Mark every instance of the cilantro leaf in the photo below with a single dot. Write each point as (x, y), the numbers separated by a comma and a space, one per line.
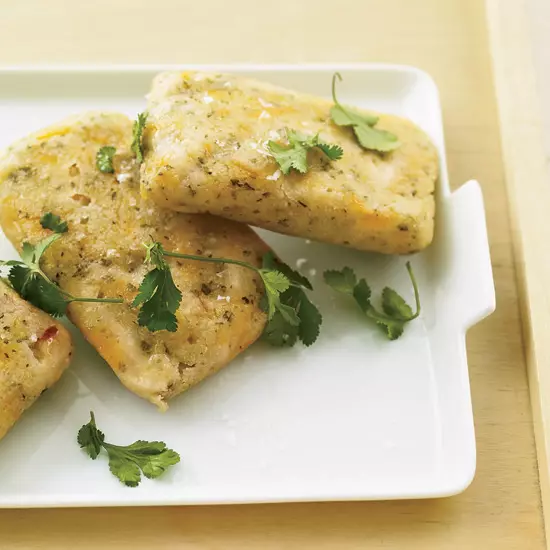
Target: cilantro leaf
(291, 315)
(392, 327)
(153, 457)
(309, 317)
(289, 156)
(127, 471)
(396, 312)
(347, 116)
(90, 438)
(104, 159)
(279, 333)
(394, 305)
(54, 223)
(310, 320)
(275, 282)
(294, 155)
(159, 298)
(37, 290)
(342, 281)
(127, 463)
(271, 262)
(31, 283)
(158, 463)
(137, 134)
(333, 152)
(158, 295)
(362, 294)
(363, 125)
(10, 262)
(375, 139)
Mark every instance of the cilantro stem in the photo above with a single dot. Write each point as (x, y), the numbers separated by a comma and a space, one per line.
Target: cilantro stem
(41, 273)
(415, 288)
(71, 298)
(220, 261)
(334, 76)
(209, 259)
(98, 300)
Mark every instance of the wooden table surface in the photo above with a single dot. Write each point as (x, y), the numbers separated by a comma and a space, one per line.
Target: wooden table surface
(447, 38)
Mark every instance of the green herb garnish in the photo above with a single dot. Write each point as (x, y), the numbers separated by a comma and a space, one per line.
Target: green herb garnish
(152, 458)
(363, 124)
(291, 315)
(294, 155)
(137, 134)
(30, 282)
(104, 159)
(54, 223)
(158, 295)
(284, 328)
(33, 285)
(395, 314)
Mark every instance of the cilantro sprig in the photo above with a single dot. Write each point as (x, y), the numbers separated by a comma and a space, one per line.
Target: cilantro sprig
(291, 315)
(363, 125)
(53, 223)
(295, 316)
(395, 314)
(294, 155)
(152, 458)
(158, 295)
(104, 159)
(32, 284)
(137, 134)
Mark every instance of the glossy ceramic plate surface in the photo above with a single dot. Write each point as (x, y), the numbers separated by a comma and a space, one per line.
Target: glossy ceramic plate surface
(353, 417)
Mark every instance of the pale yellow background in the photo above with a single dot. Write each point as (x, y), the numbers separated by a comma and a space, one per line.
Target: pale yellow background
(448, 38)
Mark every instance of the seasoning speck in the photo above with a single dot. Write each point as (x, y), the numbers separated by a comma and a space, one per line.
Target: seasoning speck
(264, 103)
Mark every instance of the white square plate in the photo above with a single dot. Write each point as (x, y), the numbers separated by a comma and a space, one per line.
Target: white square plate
(353, 417)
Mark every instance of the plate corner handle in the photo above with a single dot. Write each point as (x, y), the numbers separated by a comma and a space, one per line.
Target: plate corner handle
(474, 273)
